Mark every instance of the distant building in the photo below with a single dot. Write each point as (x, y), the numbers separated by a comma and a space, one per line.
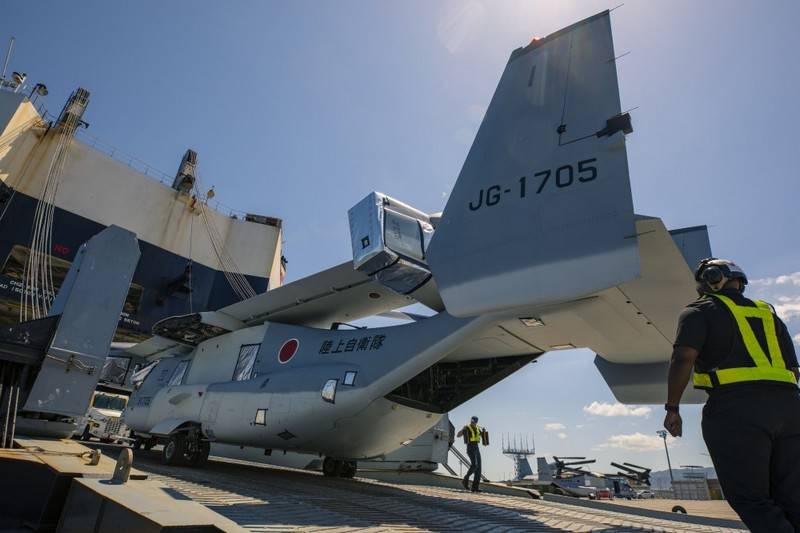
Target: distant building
(691, 489)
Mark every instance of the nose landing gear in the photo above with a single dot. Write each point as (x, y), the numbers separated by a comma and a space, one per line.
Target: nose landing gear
(339, 468)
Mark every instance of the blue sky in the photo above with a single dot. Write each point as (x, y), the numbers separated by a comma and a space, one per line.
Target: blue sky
(300, 109)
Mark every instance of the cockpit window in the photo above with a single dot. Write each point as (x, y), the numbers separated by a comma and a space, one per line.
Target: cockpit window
(104, 401)
(180, 371)
(138, 377)
(246, 361)
(114, 369)
(329, 390)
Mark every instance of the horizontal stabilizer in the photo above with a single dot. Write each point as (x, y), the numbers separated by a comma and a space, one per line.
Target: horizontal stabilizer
(542, 209)
(693, 243)
(642, 383)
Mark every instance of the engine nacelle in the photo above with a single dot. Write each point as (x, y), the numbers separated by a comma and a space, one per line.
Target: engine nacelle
(390, 241)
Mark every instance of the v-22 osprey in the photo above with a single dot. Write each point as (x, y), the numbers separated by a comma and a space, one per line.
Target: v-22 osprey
(538, 249)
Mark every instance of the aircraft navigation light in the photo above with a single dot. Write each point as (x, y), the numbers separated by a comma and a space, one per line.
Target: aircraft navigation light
(531, 321)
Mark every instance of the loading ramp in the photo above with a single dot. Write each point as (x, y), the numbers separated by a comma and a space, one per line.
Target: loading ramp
(262, 498)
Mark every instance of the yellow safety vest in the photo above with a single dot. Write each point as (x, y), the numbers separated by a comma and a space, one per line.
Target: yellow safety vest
(474, 433)
(772, 368)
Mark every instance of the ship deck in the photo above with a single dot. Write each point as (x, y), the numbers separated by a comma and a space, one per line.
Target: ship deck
(264, 498)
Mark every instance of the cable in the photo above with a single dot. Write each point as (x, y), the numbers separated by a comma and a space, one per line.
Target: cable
(39, 285)
(191, 287)
(230, 269)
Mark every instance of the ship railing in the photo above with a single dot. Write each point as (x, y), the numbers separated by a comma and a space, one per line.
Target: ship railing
(9, 86)
(123, 157)
(143, 167)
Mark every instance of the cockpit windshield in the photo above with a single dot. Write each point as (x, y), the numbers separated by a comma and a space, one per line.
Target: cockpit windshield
(106, 401)
(138, 377)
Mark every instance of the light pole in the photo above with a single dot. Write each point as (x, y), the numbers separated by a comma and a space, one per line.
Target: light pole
(663, 434)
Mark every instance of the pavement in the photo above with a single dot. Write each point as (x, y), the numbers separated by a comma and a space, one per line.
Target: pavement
(263, 498)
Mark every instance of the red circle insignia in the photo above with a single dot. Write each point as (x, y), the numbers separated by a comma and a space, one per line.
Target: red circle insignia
(287, 351)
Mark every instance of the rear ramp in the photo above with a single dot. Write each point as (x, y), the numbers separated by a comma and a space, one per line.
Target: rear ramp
(88, 305)
(49, 367)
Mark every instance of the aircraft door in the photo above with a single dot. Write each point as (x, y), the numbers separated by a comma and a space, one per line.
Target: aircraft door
(208, 413)
(241, 417)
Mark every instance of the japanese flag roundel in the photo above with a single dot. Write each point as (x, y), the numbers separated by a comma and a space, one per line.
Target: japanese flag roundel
(287, 351)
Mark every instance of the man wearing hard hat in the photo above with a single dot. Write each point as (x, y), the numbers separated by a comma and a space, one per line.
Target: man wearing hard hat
(474, 435)
(743, 356)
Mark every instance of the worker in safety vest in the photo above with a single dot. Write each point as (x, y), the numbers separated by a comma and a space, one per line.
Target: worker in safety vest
(473, 435)
(743, 356)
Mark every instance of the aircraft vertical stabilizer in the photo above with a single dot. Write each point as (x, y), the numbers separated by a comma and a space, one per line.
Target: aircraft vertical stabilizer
(542, 208)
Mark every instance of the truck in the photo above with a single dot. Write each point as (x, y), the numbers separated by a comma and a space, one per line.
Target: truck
(103, 420)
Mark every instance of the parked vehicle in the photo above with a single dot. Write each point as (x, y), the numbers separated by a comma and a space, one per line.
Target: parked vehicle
(604, 494)
(645, 495)
(103, 420)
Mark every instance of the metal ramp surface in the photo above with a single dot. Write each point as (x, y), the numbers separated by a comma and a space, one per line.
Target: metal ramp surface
(261, 498)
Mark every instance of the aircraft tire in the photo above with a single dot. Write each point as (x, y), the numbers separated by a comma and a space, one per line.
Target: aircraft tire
(349, 469)
(332, 467)
(174, 450)
(200, 457)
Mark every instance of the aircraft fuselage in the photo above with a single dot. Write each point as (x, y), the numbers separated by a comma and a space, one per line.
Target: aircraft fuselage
(279, 386)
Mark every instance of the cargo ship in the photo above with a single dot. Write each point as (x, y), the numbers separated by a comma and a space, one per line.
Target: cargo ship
(59, 187)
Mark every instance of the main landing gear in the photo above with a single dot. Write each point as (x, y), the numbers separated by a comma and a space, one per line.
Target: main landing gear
(140, 443)
(186, 448)
(338, 468)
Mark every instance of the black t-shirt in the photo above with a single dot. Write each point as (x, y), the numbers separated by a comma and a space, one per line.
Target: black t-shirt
(708, 326)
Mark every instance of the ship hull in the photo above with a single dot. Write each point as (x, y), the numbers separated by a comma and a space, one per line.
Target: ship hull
(161, 285)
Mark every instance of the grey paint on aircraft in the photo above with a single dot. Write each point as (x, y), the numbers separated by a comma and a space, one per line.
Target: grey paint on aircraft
(528, 265)
(539, 216)
(89, 305)
(644, 383)
(359, 423)
(693, 243)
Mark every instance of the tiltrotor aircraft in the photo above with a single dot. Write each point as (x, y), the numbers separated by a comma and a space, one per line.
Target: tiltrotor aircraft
(538, 249)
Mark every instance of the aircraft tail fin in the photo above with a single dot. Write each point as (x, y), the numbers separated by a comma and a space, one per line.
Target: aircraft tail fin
(544, 470)
(542, 209)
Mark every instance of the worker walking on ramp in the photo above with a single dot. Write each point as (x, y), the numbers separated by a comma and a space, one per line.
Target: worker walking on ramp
(474, 435)
(744, 358)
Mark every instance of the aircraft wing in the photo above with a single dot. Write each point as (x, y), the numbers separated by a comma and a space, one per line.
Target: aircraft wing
(338, 294)
(157, 347)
